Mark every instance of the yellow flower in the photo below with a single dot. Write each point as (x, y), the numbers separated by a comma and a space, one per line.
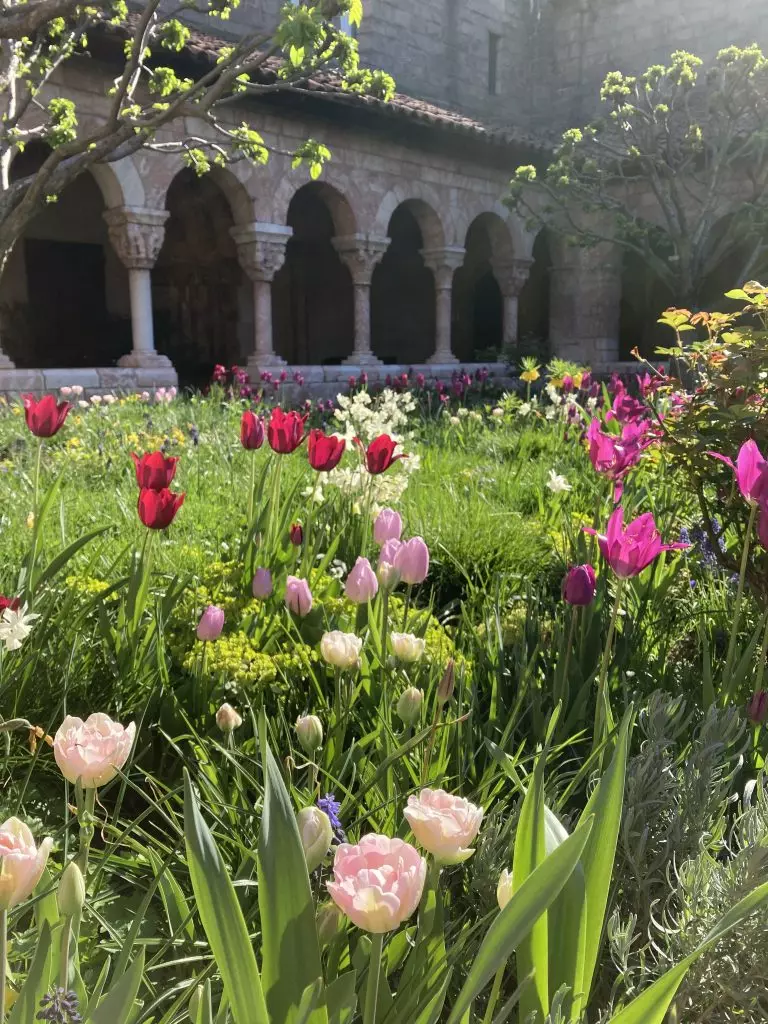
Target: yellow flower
(177, 436)
(529, 376)
(17, 410)
(73, 442)
(132, 439)
(577, 379)
(31, 520)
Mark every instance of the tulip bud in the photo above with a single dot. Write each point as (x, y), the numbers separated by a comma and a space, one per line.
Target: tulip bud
(316, 835)
(296, 535)
(362, 585)
(409, 705)
(211, 623)
(407, 647)
(757, 709)
(388, 575)
(298, 596)
(262, 584)
(412, 559)
(329, 921)
(504, 889)
(447, 683)
(70, 895)
(309, 729)
(388, 526)
(579, 585)
(227, 718)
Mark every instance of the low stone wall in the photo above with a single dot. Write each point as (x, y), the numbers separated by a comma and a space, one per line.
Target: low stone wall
(95, 380)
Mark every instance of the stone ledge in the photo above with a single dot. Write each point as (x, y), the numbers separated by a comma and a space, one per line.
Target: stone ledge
(93, 380)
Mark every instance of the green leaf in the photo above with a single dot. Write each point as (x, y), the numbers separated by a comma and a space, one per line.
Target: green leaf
(567, 925)
(222, 917)
(519, 916)
(290, 948)
(64, 556)
(341, 998)
(38, 980)
(117, 1006)
(176, 907)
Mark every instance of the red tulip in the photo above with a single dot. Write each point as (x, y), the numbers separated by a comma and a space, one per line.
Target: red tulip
(154, 470)
(380, 453)
(324, 452)
(296, 535)
(14, 603)
(251, 430)
(157, 509)
(285, 431)
(44, 418)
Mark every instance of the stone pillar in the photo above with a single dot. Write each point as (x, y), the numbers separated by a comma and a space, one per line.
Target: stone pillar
(261, 251)
(443, 262)
(361, 253)
(137, 236)
(511, 275)
(584, 305)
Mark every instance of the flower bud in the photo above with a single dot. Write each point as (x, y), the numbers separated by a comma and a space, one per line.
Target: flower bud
(261, 586)
(412, 559)
(309, 729)
(388, 526)
(296, 534)
(409, 705)
(388, 575)
(447, 683)
(329, 921)
(579, 585)
(298, 596)
(362, 585)
(70, 895)
(406, 646)
(504, 889)
(211, 623)
(316, 835)
(757, 709)
(342, 650)
(227, 718)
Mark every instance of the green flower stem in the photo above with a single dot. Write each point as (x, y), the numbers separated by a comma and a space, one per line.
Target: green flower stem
(374, 970)
(407, 608)
(494, 996)
(3, 960)
(86, 831)
(760, 674)
(563, 680)
(251, 491)
(737, 607)
(603, 710)
(66, 937)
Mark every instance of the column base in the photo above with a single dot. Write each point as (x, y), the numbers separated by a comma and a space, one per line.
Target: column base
(5, 362)
(362, 359)
(258, 364)
(148, 360)
(443, 359)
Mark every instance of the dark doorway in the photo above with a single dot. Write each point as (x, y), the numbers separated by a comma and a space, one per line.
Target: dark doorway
(533, 303)
(478, 311)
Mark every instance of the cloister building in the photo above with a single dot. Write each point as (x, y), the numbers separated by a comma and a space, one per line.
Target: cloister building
(402, 254)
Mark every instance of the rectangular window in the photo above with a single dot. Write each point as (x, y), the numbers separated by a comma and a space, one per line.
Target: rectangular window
(494, 43)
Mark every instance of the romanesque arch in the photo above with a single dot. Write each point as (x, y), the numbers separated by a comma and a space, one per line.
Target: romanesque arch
(478, 304)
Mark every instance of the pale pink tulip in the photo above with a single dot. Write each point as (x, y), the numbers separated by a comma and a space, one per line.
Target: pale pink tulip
(412, 561)
(389, 551)
(298, 596)
(444, 825)
(21, 862)
(388, 526)
(378, 883)
(92, 750)
(211, 623)
(362, 585)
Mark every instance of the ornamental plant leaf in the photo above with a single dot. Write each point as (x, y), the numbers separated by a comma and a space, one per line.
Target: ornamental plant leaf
(117, 1006)
(38, 980)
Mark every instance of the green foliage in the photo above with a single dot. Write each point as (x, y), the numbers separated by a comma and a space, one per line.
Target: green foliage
(62, 127)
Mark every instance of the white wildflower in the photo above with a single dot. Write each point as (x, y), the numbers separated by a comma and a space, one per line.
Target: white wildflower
(557, 483)
(15, 627)
(525, 409)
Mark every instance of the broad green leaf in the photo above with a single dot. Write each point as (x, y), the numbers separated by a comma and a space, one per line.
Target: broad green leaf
(566, 923)
(651, 1006)
(38, 980)
(69, 552)
(422, 987)
(222, 917)
(341, 998)
(310, 1002)
(117, 1006)
(290, 948)
(519, 916)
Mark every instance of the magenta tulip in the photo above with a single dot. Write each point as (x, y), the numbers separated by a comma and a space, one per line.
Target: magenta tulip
(261, 585)
(629, 551)
(362, 585)
(298, 596)
(388, 526)
(579, 585)
(412, 561)
(751, 472)
(615, 455)
(211, 623)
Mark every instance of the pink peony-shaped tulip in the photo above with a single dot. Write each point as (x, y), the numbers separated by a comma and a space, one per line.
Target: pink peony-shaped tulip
(298, 596)
(21, 862)
(362, 585)
(444, 825)
(388, 526)
(412, 561)
(92, 750)
(629, 551)
(378, 883)
(751, 472)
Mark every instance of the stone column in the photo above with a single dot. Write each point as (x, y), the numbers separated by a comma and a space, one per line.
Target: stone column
(137, 236)
(511, 275)
(361, 253)
(443, 262)
(261, 252)
(585, 298)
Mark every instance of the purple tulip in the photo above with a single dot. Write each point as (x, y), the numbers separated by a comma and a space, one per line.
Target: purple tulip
(298, 596)
(362, 585)
(262, 584)
(757, 709)
(211, 623)
(629, 551)
(388, 526)
(579, 585)
(412, 561)
(389, 550)
(751, 472)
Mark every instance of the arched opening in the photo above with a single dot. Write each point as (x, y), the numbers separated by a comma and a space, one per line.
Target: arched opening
(312, 297)
(64, 293)
(403, 288)
(202, 300)
(644, 297)
(478, 306)
(533, 302)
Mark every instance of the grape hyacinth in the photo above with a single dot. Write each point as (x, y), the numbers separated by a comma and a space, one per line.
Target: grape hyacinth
(331, 806)
(60, 1007)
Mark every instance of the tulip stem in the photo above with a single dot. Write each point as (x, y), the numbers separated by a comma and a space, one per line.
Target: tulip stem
(3, 960)
(603, 718)
(251, 491)
(374, 971)
(563, 687)
(66, 937)
(86, 831)
(727, 677)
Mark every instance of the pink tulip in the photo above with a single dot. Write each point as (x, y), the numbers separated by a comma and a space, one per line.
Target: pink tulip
(92, 750)
(211, 623)
(615, 455)
(21, 863)
(629, 551)
(412, 561)
(298, 596)
(378, 883)
(444, 825)
(388, 526)
(389, 550)
(261, 586)
(579, 585)
(762, 525)
(362, 585)
(751, 472)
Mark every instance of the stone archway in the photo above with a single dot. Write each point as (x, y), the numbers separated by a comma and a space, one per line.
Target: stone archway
(533, 304)
(478, 304)
(312, 296)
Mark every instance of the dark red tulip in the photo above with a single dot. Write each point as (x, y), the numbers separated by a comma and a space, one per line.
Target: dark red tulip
(251, 430)
(296, 534)
(44, 418)
(757, 709)
(14, 603)
(157, 509)
(154, 470)
(324, 452)
(380, 453)
(285, 431)
(579, 585)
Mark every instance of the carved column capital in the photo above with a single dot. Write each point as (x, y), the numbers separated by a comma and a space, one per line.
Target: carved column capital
(261, 248)
(136, 235)
(361, 253)
(443, 262)
(511, 275)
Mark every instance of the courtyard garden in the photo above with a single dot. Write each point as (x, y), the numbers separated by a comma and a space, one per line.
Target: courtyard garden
(440, 703)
